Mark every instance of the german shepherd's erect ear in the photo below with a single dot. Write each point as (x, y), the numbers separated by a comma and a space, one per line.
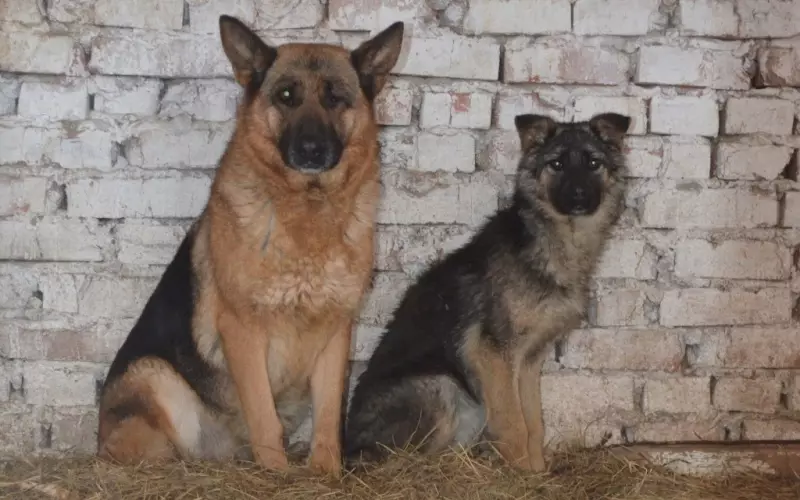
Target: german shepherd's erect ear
(249, 55)
(534, 130)
(376, 57)
(610, 127)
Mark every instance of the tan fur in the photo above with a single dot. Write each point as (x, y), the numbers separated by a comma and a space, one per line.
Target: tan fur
(283, 260)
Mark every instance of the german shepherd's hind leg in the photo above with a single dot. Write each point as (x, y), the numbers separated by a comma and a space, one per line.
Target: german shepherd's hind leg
(427, 414)
(150, 412)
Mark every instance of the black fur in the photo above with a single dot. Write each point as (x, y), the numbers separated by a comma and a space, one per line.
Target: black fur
(404, 390)
(163, 330)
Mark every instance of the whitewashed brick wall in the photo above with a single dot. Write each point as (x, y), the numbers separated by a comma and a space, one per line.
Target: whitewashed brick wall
(113, 113)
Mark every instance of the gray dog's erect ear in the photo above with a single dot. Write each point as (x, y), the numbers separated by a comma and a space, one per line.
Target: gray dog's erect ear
(534, 130)
(610, 127)
(249, 55)
(376, 57)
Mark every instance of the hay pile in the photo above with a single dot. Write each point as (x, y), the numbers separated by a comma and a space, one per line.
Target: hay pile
(575, 476)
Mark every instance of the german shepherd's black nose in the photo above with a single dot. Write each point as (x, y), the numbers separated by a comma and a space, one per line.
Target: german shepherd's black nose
(312, 148)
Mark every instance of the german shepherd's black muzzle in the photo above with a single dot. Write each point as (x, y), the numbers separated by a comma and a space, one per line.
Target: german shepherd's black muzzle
(311, 147)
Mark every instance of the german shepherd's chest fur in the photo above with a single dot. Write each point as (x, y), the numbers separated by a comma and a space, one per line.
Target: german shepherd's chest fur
(288, 263)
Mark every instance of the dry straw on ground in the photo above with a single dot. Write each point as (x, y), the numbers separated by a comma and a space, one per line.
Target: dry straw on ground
(574, 476)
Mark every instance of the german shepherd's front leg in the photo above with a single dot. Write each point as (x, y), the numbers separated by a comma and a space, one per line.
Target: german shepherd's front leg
(327, 389)
(530, 396)
(500, 395)
(246, 355)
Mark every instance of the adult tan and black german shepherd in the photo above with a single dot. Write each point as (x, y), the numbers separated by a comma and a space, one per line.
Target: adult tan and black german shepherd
(461, 358)
(252, 320)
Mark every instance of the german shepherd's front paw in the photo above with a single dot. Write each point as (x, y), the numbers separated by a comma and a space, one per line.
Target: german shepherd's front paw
(325, 460)
(272, 460)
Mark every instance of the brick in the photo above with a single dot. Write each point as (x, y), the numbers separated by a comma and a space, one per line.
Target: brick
(9, 92)
(412, 248)
(213, 100)
(527, 17)
(393, 107)
(683, 428)
(141, 243)
(17, 291)
(456, 110)
(677, 395)
(384, 296)
(603, 402)
(687, 161)
(778, 66)
(708, 18)
(126, 96)
(742, 394)
(751, 162)
(577, 65)
(644, 156)
(159, 55)
(451, 57)
(178, 147)
(74, 433)
(448, 153)
(21, 11)
(760, 260)
(617, 17)
(54, 101)
(622, 349)
(114, 297)
(768, 18)
(93, 149)
(74, 146)
(753, 115)
(117, 198)
(356, 15)
(771, 430)
(791, 209)
(59, 384)
(499, 151)
(71, 11)
(398, 147)
(24, 52)
(53, 240)
(22, 196)
(17, 436)
(684, 115)
(620, 308)
(708, 209)
(364, 342)
(762, 348)
(627, 259)
(204, 14)
(708, 307)
(150, 14)
(692, 67)
(421, 199)
(540, 103)
(84, 342)
(59, 292)
(586, 107)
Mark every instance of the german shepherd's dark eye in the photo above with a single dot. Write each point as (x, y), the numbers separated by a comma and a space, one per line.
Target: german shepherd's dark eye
(595, 164)
(331, 98)
(286, 96)
(555, 165)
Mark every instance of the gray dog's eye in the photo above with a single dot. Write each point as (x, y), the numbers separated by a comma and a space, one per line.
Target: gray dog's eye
(595, 164)
(555, 165)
